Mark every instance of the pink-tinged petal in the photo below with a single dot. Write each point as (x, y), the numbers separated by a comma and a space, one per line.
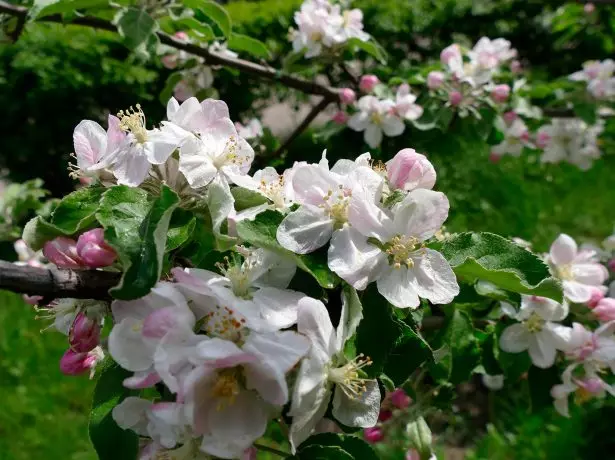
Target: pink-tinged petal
(62, 252)
(89, 142)
(577, 292)
(142, 380)
(305, 230)
(515, 339)
(369, 219)
(563, 250)
(311, 184)
(593, 274)
(421, 214)
(115, 136)
(354, 259)
(74, 362)
(84, 333)
(167, 320)
(131, 169)
(214, 110)
(409, 170)
(435, 278)
(399, 287)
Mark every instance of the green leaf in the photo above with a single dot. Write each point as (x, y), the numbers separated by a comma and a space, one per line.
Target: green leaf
(204, 32)
(214, 12)
(245, 198)
(256, 48)
(322, 453)
(586, 111)
(181, 228)
(203, 241)
(540, 382)
(135, 26)
(261, 232)
(110, 441)
(137, 229)
(42, 8)
(77, 210)
(38, 231)
(354, 446)
(419, 436)
(489, 257)
(371, 47)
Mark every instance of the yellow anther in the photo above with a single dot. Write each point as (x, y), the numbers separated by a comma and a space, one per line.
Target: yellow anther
(133, 121)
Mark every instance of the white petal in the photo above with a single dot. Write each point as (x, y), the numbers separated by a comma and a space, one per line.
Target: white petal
(195, 164)
(278, 307)
(515, 338)
(593, 274)
(314, 322)
(361, 412)
(359, 121)
(162, 143)
(577, 292)
(308, 414)
(541, 349)
(127, 347)
(435, 278)
(305, 230)
(421, 213)
(399, 287)
(355, 260)
(311, 184)
(131, 169)
(393, 126)
(131, 414)
(563, 250)
(373, 135)
(90, 143)
(370, 219)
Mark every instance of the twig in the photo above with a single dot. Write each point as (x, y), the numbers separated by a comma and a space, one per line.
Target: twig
(211, 57)
(53, 284)
(265, 448)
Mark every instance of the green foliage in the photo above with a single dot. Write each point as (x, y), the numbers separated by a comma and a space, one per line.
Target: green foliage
(331, 446)
(256, 48)
(17, 203)
(136, 227)
(214, 12)
(137, 28)
(110, 441)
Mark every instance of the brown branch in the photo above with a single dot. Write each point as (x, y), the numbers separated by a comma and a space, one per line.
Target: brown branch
(55, 283)
(212, 58)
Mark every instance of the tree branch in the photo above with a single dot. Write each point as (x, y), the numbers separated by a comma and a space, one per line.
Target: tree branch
(212, 58)
(55, 283)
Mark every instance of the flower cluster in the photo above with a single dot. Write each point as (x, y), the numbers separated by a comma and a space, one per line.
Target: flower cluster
(599, 77)
(323, 26)
(516, 136)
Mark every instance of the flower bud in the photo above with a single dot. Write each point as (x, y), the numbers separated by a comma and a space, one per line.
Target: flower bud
(596, 296)
(347, 96)
(62, 251)
(605, 310)
(93, 250)
(589, 8)
(542, 140)
(384, 415)
(368, 83)
(611, 264)
(84, 333)
(373, 435)
(509, 116)
(181, 35)
(500, 93)
(169, 61)
(400, 399)
(340, 117)
(455, 98)
(449, 53)
(76, 363)
(409, 170)
(32, 299)
(593, 385)
(495, 157)
(515, 66)
(435, 79)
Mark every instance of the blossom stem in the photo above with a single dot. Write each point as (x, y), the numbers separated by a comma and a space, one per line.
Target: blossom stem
(265, 448)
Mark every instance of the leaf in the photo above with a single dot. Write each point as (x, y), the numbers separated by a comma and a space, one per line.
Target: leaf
(203, 241)
(261, 232)
(214, 12)
(586, 111)
(38, 231)
(137, 229)
(77, 210)
(410, 352)
(322, 453)
(419, 436)
(256, 48)
(135, 26)
(245, 198)
(42, 8)
(355, 447)
(204, 32)
(540, 382)
(181, 228)
(492, 258)
(371, 47)
(110, 441)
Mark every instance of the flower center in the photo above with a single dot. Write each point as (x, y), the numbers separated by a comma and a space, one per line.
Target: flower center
(400, 249)
(316, 36)
(226, 388)
(348, 379)
(564, 272)
(336, 205)
(534, 323)
(229, 155)
(223, 323)
(239, 275)
(274, 190)
(133, 121)
(376, 118)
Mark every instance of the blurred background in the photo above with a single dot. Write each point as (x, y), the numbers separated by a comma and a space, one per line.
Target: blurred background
(55, 76)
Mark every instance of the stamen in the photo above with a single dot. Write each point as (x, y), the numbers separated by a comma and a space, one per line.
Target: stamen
(226, 388)
(402, 248)
(348, 379)
(224, 324)
(336, 204)
(133, 121)
(534, 323)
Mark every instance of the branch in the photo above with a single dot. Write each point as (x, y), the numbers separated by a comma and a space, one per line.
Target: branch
(54, 283)
(212, 58)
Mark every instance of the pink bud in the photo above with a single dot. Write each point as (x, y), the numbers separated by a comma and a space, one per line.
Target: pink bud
(589, 8)
(455, 98)
(75, 363)
(597, 296)
(400, 399)
(409, 170)
(605, 310)
(368, 83)
(32, 299)
(509, 116)
(449, 53)
(500, 93)
(340, 117)
(169, 61)
(249, 454)
(435, 79)
(93, 250)
(495, 157)
(347, 96)
(181, 35)
(384, 415)
(413, 454)
(515, 66)
(373, 435)
(525, 136)
(542, 140)
(84, 333)
(611, 264)
(62, 251)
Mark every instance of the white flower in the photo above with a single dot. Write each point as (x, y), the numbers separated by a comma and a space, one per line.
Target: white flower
(356, 400)
(489, 54)
(252, 130)
(599, 78)
(516, 137)
(350, 26)
(596, 347)
(387, 247)
(578, 270)
(536, 332)
(222, 49)
(375, 117)
(572, 141)
(325, 197)
(405, 105)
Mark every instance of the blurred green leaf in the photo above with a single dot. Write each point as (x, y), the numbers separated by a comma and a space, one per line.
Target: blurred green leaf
(256, 48)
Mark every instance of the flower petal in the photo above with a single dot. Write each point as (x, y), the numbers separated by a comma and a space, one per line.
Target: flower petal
(399, 287)
(515, 338)
(305, 230)
(361, 412)
(563, 250)
(435, 278)
(421, 213)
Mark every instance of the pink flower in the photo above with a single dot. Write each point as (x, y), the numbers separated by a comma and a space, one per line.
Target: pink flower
(449, 53)
(169, 61)
(373, 435)
(596, 296)
(76, 363)
(542, 140)
(93, 250)
(340, 117)
(611, 264)
(589, 8)
(494, 157)
(62, 251)
(409, 170)
(368, 83)
(455, 98)
(400, 399)
(605, 309)
(347, 96)
(435, 79)
(84, 334)
(181, 36)
(500, 93)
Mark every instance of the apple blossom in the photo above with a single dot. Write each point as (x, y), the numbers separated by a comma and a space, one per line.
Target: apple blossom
(579, 272)
(77, 363)
(62, 251)
(340, 117)
(405, 105)
(376, 117)
(570, 140)
(93, 250)
(516, 138)
(500, 93)
(599, 77)
(368, 82)
(450, 53)
(435, 79)
(596, 296)
(409, 170)
(93, 144)
(252, 130)
(455, 98)
(491, 53)
(84, 333)
(605, 309)
(399, 398)
(373, 435)
(347, 96)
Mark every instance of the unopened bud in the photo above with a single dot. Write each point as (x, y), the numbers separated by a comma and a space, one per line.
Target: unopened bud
(347, 96)
(605, 310)
(340, 117)
(373, 435)
(84, 333)
(509, 117)
(368, 83)
(384, 415)
(455, 98)
(449, 53)
(596, 296)
(93, 250)
(76, 363)
(500, 93)
(435, 79)
(62, 251)
(409, 170)
(542, 140)
(400, 399)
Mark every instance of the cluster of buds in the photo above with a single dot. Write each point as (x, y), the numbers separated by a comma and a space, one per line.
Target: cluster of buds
(89, 251)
